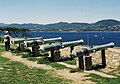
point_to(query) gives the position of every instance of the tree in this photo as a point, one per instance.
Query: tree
(15, 31)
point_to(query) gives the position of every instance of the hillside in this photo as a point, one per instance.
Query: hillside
(102, 25)
(108, 22)
(3, 24)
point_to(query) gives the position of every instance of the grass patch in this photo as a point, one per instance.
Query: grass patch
(97, 67)
(62, 58)
(18, 73)
(15, 50)
(58, 66)
(1, 39)
(103, 80)
(18, 54)
(32, 59)
(75, 70)
(26, 55)
(43, 60)
(72, 62)
(2, 48)
(47, 60)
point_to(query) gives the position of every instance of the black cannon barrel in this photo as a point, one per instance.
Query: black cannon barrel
(59, 45)
(92, 50)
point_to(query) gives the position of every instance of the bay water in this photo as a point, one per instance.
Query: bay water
(90, 38)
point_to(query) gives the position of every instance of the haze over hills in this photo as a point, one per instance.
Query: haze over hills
(102, 25)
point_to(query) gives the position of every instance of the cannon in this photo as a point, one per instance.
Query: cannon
(41, 41)
(49, 47)
(59, 45)
(35, 44)
(28, 39)
(92, 50)
(88, 59)
(21, 44)
(54, 48)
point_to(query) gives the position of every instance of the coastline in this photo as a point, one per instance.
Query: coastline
(75, 31)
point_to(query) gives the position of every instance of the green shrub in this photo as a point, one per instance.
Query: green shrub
(43, 60)
(2, 48)
(16, 50)
(1, 39)
(26, 55)
(33, 59)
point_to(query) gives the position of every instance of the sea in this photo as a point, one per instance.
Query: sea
(90, 38)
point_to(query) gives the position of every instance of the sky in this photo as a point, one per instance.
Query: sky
(53, 11)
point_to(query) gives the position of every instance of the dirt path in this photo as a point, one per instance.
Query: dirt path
(25, 61)
(101, 74)
(93, 71)
(67, 65)
(78, 78)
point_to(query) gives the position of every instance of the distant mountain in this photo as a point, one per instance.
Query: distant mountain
(57, 25)
(3, 24)
(102, 25)
(108, 22)
(29, 25)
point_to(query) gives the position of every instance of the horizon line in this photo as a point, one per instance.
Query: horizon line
(58, 22)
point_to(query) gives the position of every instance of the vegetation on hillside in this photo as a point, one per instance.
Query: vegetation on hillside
(15, 31)
(102, 25)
